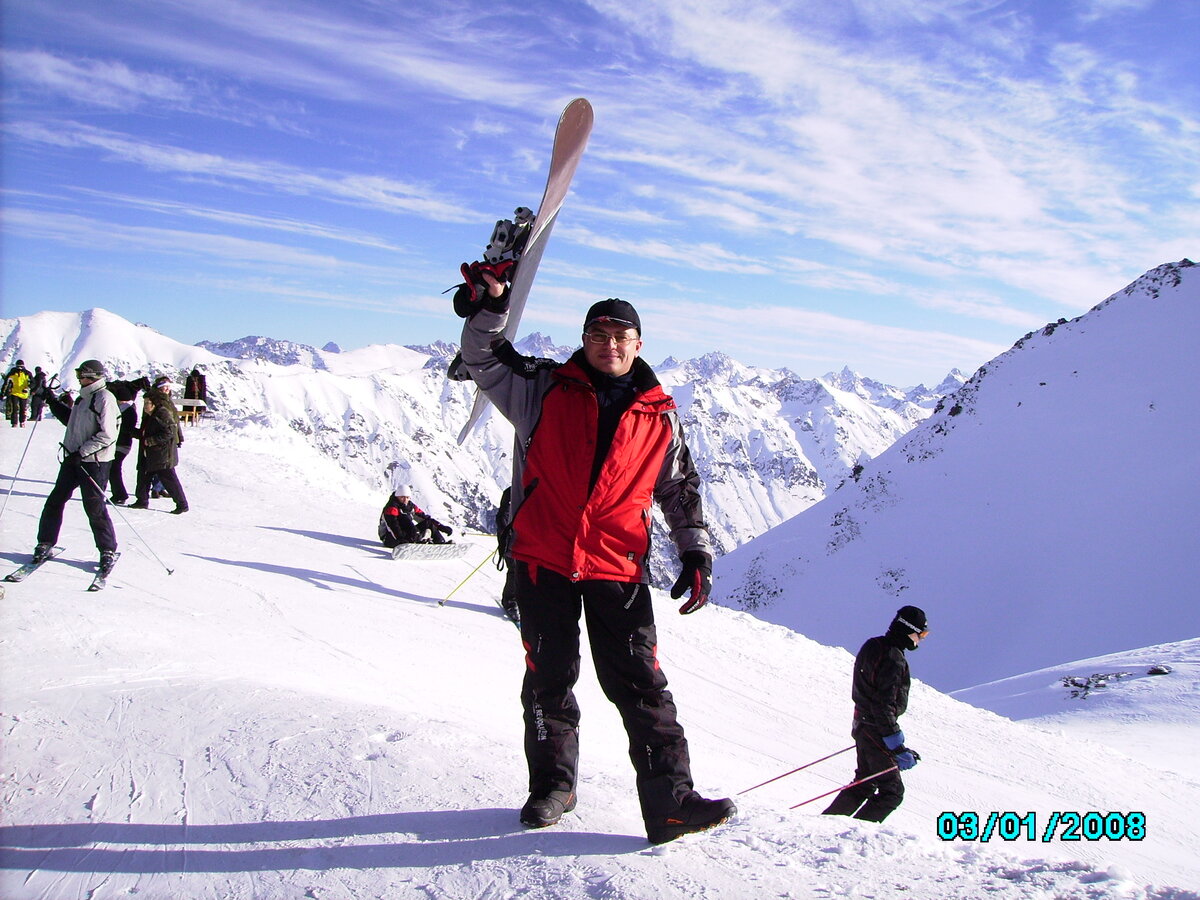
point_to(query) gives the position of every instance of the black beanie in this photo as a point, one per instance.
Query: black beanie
(909, 620)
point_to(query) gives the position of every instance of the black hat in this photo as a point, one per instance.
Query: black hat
(613, 310)
(91, 367)
(909, 620)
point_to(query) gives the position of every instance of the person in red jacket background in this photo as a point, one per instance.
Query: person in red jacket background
(598, 442)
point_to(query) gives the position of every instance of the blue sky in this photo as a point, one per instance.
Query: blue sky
(900, 186)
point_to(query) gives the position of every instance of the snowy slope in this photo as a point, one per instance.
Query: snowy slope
(1146, 701)
(1048, 512)
(290, 714)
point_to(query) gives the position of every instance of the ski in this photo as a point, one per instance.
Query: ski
(100, 582)
(29, 568)
(570, 140)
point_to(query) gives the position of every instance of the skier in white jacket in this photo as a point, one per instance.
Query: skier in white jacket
(90, 446)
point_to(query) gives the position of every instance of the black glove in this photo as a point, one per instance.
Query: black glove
(445, 529)
(696, 577)
(75, 458)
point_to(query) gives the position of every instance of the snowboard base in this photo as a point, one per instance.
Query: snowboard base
(429, 551)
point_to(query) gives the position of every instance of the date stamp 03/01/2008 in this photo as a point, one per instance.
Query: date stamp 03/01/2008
(1062, 826)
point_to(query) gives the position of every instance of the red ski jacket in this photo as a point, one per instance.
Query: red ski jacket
(604, 533)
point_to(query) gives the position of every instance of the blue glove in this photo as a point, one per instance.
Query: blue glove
(906, 758)
(895, 741)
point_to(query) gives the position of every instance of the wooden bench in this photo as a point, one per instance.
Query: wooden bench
(191, 410)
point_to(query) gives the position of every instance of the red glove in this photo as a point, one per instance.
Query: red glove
(696, 577)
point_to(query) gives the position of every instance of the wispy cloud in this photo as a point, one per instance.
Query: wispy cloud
(96, 82)
(705, 257)
(245, 220)
(900, 158)
(968, 163)
(770, 334)
(81, 231)
(365, 190)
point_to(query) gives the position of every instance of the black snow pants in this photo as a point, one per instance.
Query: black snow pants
(620, 627)
(90, 478)
(873, 800)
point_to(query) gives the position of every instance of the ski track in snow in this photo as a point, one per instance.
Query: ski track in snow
(291, 715)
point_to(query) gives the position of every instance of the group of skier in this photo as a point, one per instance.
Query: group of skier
(22, 392)
(101, 425)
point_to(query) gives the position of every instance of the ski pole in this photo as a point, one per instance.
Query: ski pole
(442, 602)
(28, 441)
(844, 786)
(125, 520)
(795, 770)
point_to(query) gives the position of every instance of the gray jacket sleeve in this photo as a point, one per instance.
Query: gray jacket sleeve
(678, 495)
(517, 396)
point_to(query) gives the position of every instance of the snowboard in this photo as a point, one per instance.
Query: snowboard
(430, 551)
(29, 568)
(570, 140)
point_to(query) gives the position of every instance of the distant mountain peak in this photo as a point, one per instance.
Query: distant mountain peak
(541, 345)
(441, 350)
(283, 353)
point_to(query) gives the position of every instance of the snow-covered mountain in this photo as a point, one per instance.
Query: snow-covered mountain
(1047, 511)
(766, 442)
(282, 353)
(291, 714)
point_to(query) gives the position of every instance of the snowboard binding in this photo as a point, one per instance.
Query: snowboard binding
(500, 258)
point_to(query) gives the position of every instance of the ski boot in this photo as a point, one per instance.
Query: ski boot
(108, 559)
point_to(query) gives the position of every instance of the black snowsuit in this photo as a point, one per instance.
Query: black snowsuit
(403, 522)
(880, 693)
(36, 398)
(126, 393)
(159, 451)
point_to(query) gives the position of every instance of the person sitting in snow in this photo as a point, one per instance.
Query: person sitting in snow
(403, 522)
(880, 694)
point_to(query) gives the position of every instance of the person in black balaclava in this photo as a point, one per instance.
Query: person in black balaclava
(880, 694)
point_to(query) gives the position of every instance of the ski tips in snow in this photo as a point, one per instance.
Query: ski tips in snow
(23, 572)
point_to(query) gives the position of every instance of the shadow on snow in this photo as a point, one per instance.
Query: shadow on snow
(428, 838)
